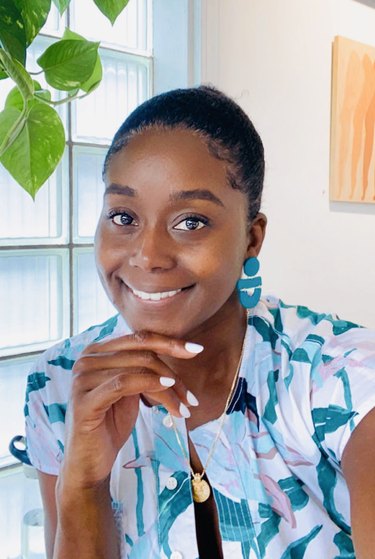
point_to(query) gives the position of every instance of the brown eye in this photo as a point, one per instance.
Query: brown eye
(122, 219)
(191, 224)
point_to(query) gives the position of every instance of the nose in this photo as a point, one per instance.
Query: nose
(152, 250)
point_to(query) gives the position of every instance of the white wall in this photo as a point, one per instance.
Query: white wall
(274, 57)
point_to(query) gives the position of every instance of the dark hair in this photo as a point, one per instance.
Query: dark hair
(222, 124)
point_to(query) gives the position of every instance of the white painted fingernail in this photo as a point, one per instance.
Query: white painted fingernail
(193, 348)
(191, 399)
(184, 411)
(167, 381)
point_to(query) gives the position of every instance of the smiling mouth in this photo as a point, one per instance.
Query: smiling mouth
(158, 296)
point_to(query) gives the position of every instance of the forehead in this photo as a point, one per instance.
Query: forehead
(173, 151)
(163, 162)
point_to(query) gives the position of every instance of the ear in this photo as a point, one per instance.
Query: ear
(256, 234)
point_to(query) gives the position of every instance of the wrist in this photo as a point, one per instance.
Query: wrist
(81, 509)
(85, 522)
(80, 470)
(72, 490)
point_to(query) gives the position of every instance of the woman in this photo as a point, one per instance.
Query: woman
(202, 421)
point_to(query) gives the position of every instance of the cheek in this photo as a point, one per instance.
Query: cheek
(98, 247)
(105, 254)
(217, 268)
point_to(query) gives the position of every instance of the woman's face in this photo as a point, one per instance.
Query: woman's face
(173, 235)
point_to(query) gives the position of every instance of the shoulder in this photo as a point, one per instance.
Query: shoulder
(296, 322)
(65, 353)
(314, 367)
(292, 348)
(48, 393)
(303, 332)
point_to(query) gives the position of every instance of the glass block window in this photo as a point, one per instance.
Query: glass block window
(49, 288)
(125, 84)
(33, 294)
(92, 304)
(44, 221)
(88, 191)
(131, 31)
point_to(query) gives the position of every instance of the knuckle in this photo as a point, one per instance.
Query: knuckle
(82, 364)
(179, 385)
(141, 337)
(89, 349)
(77, 367)
(117, 383)
(143, 371)
(148, 357)
(76, 385)
(174, 344)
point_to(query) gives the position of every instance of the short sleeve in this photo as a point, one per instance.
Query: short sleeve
(44, 448)
(48, 392)
(342, 386)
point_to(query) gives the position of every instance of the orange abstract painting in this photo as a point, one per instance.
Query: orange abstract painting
(353, 122)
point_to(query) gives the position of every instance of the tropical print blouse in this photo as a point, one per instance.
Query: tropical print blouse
(306, 381)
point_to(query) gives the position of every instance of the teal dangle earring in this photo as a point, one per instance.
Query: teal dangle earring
(249, 286)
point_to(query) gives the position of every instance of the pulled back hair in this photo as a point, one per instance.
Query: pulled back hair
(225, 128)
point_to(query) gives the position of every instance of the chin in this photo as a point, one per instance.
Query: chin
(158, 326)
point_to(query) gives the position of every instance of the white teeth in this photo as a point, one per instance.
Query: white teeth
(155, 296)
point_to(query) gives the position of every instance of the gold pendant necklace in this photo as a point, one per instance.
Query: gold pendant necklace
(200, 488)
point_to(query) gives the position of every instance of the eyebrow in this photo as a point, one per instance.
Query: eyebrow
(114, 188)
(196, 194)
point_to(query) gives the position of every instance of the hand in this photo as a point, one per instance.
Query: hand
(108, 380)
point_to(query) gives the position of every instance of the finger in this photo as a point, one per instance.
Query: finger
(120, 386)
(95, 370)
(170, 401)
(122, 359)
(144, 340)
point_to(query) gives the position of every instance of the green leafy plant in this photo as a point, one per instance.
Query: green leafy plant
(32, 137)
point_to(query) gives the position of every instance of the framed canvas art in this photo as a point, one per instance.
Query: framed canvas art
(352, 169)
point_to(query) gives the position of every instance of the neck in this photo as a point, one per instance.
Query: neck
(222, 337)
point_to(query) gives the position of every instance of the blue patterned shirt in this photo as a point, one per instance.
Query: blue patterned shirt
(306, 381)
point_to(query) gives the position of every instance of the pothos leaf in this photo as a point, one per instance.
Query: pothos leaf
(69, 34)
(69, 63)
(38, 148)
(34, 15)
(61, 5)
(16, 71)
(111, 8)
(15, 99)
(96, 77)
(12, 30)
